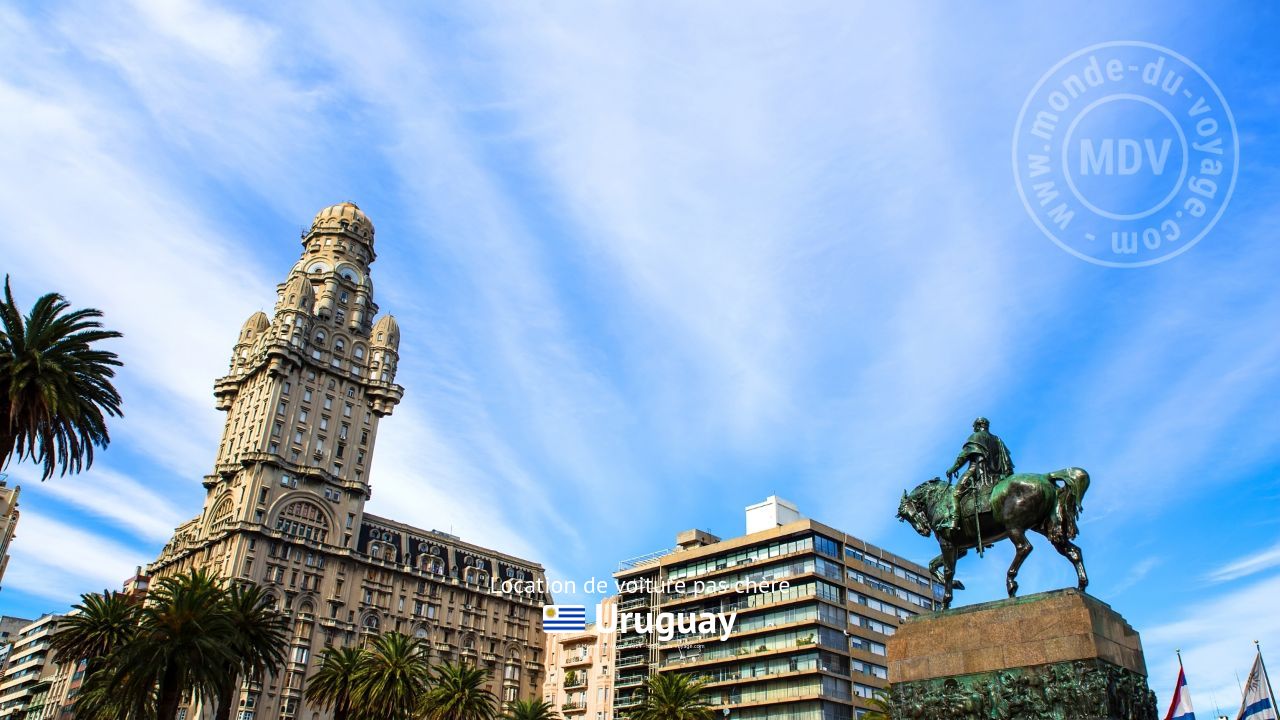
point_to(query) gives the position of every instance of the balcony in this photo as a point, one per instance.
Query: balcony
(632, 641)
(579, 681)
(630, 680)
(628, 701)
(573, 708)
(576, 661)
(632, 661)
(634, 603)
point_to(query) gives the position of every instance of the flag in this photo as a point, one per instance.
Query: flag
(1180, 708)
(564, 618)
(1258, 703)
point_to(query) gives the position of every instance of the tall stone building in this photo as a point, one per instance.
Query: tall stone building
(8, 520)
(284, 508)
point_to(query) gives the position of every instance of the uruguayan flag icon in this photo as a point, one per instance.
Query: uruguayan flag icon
(564, 618)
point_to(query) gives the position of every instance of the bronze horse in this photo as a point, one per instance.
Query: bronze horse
(1048, 504)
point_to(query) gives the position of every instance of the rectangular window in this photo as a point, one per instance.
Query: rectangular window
(302, 415)
(297, 436)
(346, 410)
(324, 423)
(342, 432)
(328, 402)
(276, 429)
(306, 395)
(280, 408)
(284, 390)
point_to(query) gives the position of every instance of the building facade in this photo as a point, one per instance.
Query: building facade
(30, 668)
(580, 681)
(814, 609)
(10, 627)
(8, 521)
(306, 391)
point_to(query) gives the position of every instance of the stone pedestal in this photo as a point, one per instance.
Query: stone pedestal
(1060, 655)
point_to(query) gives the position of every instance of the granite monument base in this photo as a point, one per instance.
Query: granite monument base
(1060, 655)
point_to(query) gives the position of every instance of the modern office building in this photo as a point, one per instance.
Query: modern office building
(814, 608)
(30, 666)
(8, 520)
(580, 679)
(307, 389)
(10, 627)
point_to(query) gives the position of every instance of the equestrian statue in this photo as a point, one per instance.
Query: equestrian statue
(990, 503)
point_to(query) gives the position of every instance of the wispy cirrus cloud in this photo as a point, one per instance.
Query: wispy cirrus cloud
(652, 262)
(1258, 562)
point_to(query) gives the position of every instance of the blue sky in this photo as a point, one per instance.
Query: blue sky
(654, 262)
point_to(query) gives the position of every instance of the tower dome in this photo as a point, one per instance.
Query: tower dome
(298, 294)
(386, 333)
(252, 327)
(344, 216)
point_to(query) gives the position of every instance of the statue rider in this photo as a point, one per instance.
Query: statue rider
(988, 461)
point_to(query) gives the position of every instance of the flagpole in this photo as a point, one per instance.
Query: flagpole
(1265, 677)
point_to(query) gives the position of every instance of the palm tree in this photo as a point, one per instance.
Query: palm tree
(673, 696)
(333, 685)
(96, 627)
(55, 387)
(532, 709)
(458, 693)
(100, 698)
(257, 641)
(882, 706)
(182, 645)
(392, 678)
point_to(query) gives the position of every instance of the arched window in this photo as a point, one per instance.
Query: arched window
(221, 515)
(303, 519)
(320, 337)
(358, 351)
(339, 346)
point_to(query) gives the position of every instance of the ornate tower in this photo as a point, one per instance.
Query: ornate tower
(304, 394)
(285, 505)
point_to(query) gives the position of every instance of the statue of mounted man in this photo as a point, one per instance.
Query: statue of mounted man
(989, 463)
(991, 503)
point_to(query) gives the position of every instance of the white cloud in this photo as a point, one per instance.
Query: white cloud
(113, 496)
(1216, 638)
(1260, 561)
(58, 561)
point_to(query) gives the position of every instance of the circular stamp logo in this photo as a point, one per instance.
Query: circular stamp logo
(1125, 154)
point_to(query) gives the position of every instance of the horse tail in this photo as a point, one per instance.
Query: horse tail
(1070, 504)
